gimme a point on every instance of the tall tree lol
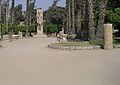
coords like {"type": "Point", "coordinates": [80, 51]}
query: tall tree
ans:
{"type": "Point", "coordinates": [13, 11]}
{"type": "Point", "coordinates": [3, 10]}
{"type": "Point", "coordinates": [27, 15]}
{"type": "Point", "coordinates": [69, 17]}
{"type": "Point", "coordinates": [78, 17]}
{"type": "Point", "coordinates": [12, 18]}
{"type": "Point", "coordinates": [32, 5]}
{"type": "Point", "coordinates": [102, 6]}
{"type": "Point", "coordinates": [18, 15]}
{"type": "Point", "coordinates": [91, 20]}
{"type": "Point", "coordinates": [7, 15]}
{"type": "Point", "coordinates": [85, 32]}
{"type": "Point", "coordinates": [0, 19]}
{"type": "Point", "coordinates": [73, 15]}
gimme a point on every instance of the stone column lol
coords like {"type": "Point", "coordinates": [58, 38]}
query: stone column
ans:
{"type": "Point", "coordinates": [108, 36]}
{"type": "Point", "coordinates": [39, 21]}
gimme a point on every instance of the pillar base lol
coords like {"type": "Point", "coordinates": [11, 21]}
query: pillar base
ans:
{"type": "Point", "coordinates": [108, 47]}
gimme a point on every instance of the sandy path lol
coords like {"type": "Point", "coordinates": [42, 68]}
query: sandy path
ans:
{"type": "Point", "coordinates": [30, 62]}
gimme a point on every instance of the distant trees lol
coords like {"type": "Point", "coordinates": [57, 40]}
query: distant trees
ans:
{"type": "Point", "coordinates": [14, 15]}
{"type": "Point", "coordinates": [84, 18]}
{"type": "Point", "coordinates": [18, 14]}
{"type": "Point", "coordinates": [29, 13]}
{"type": "Point", "coordinates": [89, 17]}
{"type": "Point", "coordinates": [55, 17]}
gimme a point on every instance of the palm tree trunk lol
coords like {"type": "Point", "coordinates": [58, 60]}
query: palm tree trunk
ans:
{"type": "Point", "coordinates": [27, 16]}
{"type": "Point", "coordinates": [0, 20]}
{"type": "Point", "coordinates": [13, 9]}
{"type": "Point", "coordinates": [85, 32]}
{"type": "Point", "coordinates": [32, 4]}
{"type": "Point", "coordinates": [78, 17]}
{"type": "Point", "coordinates": [91, 20]}
{"type": "Point", "coordinates": [69, 17]}
{"type": "Point", "coordinates": [11, 30]}
{"type": "Point", "coordinates": [7, 15]}
{"type": "Point", "coordinates": [102, 6]}
{"type": "Point", "coordinates": [73, 16]}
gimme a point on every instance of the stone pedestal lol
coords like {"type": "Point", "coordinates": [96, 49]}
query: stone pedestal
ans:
{"type": "Point", "coordinates": [108, 36]}
{"type": "Point", "coordinates": [39, 33]}
{"type": "Point", "coordinates": [20, 35]}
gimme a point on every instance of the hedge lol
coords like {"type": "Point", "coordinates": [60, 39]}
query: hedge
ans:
{"type": "Point", "coordinates": [16, 29]}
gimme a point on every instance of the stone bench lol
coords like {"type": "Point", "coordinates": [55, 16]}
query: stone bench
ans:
{"type": "Point", "coordinates": [62, 37]}
{"type": "Point", "coordinates": [15, 36]}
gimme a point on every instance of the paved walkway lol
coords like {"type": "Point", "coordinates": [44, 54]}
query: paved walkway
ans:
{"type": "Point", "coordinates": [30, 62]}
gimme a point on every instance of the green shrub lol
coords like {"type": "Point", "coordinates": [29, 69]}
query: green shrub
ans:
{"type": "Point", "coordinates": [16, 29]}
{"type": "Point", "coordinates": [51, 28]}
{"type": "Point", "coordinates": [97, 42]}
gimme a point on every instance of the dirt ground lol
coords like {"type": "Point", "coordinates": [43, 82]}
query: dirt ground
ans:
{"type": "Point", "coordinates": [31, 62]}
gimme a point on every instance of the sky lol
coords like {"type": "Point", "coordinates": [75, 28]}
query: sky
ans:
{"type": "Point", "coordinates": [44, 4]}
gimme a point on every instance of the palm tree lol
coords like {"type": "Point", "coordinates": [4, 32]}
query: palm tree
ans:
{"type": "Point", "coordinates": [7, 19]}
{"type": "Point", "coordinates": [102, 6]}
{"type": "Point", "coordinates": [78, 17]}
{"type": "Point", "coordinates": [69, 17]}
{"type": "Point", "coordinates": [91, 27]}
{"type": "Point", "coordinates": [7, 14]}
{"type": "Point", "coordinates": [12, 18]}
{"type": "Point", "coordinates": [85, 32]}
{"type": "Point", "coordinates": [31, 8]}
{"type": "Point", "coordinates": [0, 20]}
{"type": "Point", "coordinates": [13, 9]}
{"type": "Point", "coordinates": [73, 15]}
{"type": "Point", "coordinates": [27, 16]}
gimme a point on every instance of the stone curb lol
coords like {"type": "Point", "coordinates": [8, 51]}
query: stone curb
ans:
{"type": "Point", "coordinates": [74, 47]}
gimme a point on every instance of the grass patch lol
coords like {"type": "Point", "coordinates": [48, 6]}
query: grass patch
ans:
{"type": "Point", "coordinates": [73, 44]}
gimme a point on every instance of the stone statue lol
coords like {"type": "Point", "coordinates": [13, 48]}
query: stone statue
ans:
{"type": "Point", "coordinates": [39, 17]}
{"type": "Point", "coordinates": [39, 20]}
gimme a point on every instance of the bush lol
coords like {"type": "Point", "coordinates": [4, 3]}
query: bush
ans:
{"type": "Point", "coordinates": [51, 28]}
{"type": "Point", "coordinates": [113, 16]}
{"type": "Point", "coordinates": [16, 29]}
{"type": "Point", "coordinates": [97, 42]}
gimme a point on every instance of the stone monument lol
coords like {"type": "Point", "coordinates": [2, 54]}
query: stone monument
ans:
{"type": "Point", "coordinates": [39, 16]}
